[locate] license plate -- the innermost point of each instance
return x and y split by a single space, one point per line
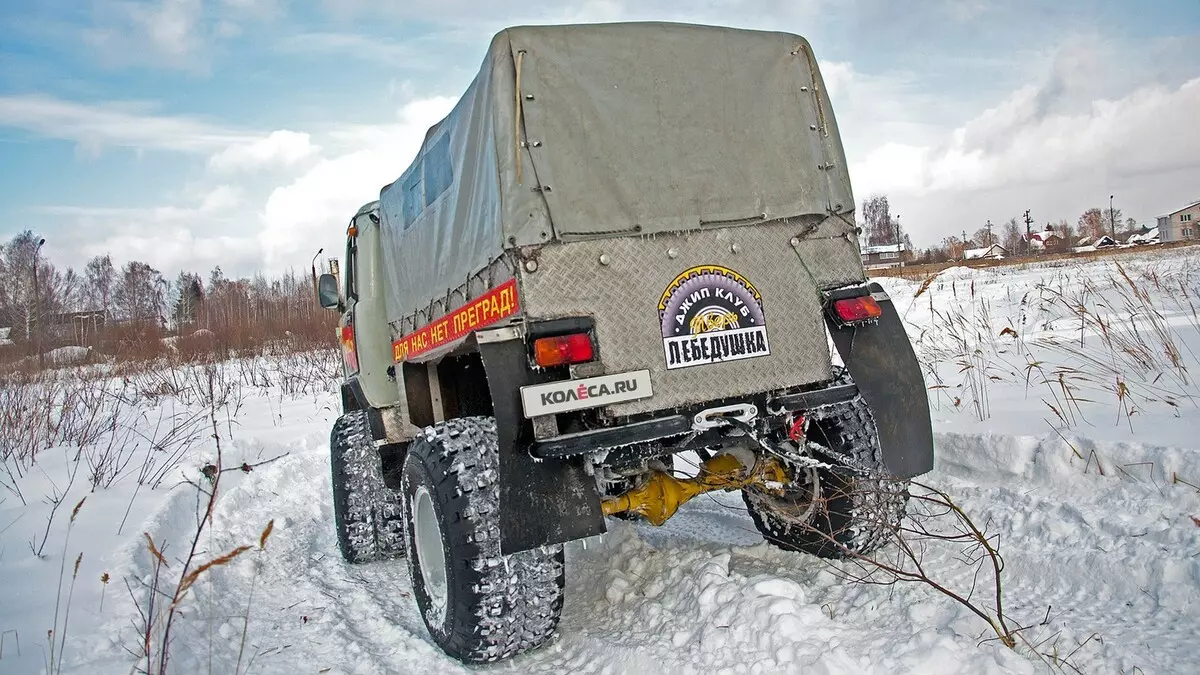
591 392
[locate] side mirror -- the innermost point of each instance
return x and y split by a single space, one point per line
327 292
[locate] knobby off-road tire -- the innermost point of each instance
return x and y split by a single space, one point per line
478 605
853 510
367 514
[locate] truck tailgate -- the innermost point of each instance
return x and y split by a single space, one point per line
711 314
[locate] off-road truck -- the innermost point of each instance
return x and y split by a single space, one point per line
627 248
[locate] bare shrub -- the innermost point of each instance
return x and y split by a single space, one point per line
937 527
161 606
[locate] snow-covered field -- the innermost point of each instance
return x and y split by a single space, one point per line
1065 406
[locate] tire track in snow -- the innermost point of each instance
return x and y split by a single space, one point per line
703 594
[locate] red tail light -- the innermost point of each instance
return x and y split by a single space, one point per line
563 349
862 308
349 348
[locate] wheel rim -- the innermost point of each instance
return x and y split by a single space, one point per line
814 481
431 556
799 511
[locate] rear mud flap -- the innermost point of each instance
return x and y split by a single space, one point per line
881 360
542 501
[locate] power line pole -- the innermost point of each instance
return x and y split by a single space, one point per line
1028 231
1112 220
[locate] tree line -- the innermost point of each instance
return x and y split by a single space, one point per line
135 305
881 228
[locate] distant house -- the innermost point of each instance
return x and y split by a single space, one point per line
1149 235
1092 244
993 252
77 326
6 337
1181 225
1047 240
887 255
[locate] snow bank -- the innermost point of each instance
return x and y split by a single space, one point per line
1092 509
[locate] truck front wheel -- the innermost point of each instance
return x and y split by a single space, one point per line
366 512
478 605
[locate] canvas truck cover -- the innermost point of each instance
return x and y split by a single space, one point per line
573 133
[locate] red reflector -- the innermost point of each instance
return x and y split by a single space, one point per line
857 309
556 351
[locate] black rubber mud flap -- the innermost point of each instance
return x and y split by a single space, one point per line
882 362
542 501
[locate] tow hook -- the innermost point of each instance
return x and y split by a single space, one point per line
711 418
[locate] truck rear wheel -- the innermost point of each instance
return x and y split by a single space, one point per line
366 513
478 605
854 509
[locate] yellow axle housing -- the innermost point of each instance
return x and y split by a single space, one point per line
663 494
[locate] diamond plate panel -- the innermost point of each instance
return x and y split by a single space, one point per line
623 297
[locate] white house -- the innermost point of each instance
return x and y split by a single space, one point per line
1181 225
886 255
993 252
1149 236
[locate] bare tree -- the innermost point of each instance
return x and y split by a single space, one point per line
1112 221
99 280
1092 224
954 248
140 294
1013 238
1066 231
67 290
881 227
19 305
1131 227
985 237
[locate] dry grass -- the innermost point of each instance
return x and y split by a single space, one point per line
1075 340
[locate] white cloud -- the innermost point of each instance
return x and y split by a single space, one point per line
253 6
172 26
1149 130
195 234
176 34
279 148
364 47
313 210
474 15
114 124
228 29
221 198
1056 158
164 33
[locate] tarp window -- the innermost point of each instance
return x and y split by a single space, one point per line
413 201
439 172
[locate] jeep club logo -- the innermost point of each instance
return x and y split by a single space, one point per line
711 314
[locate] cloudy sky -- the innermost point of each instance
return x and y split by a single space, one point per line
190 133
